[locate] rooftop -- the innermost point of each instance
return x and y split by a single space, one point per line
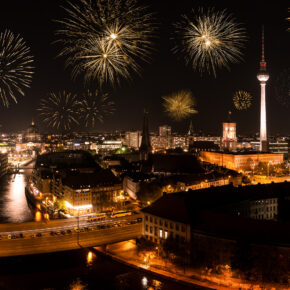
201 209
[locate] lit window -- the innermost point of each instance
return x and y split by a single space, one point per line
160 233
165 234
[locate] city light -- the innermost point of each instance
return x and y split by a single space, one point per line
80 207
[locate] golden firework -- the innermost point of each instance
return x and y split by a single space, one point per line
180 105
210 40
59 110
15 67
94 107
242 100
121 26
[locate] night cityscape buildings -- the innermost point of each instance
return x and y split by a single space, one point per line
188 192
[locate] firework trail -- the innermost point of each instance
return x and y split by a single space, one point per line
179 105
210 40
15 67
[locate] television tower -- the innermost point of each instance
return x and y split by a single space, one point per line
263 76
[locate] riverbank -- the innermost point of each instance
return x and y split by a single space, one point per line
126 253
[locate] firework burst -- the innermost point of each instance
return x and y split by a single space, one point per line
121 26
95 107
101 60
179 105
15 67
210 40
59 110
242 100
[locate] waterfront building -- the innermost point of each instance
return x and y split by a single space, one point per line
91 192
240 161
3 164
210 221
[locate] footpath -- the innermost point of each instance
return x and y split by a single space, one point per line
126 253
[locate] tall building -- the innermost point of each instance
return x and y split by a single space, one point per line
145 147
133 139
229 140
165 131
263 76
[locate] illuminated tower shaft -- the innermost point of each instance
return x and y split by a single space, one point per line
263 125
263 76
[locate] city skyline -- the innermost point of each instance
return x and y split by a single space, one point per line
165 74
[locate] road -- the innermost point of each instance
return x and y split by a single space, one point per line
98 233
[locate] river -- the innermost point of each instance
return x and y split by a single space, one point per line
65 270
13 204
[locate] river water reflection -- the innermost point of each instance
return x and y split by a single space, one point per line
13 203
78 269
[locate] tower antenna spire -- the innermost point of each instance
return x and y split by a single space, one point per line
263 62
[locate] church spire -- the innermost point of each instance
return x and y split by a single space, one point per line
145 147
190 130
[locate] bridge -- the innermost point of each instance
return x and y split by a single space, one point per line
58 236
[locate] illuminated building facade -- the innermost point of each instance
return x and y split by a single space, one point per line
240 161
133 139
229 139
263 76
92 192
165 131
106 146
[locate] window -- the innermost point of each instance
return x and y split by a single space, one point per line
177 227
160 233
146 228
166 224
151 230
165 234
151 219
171 225
155 220
183 228
160 222
155 231
146 218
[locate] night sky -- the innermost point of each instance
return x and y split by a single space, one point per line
165 74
